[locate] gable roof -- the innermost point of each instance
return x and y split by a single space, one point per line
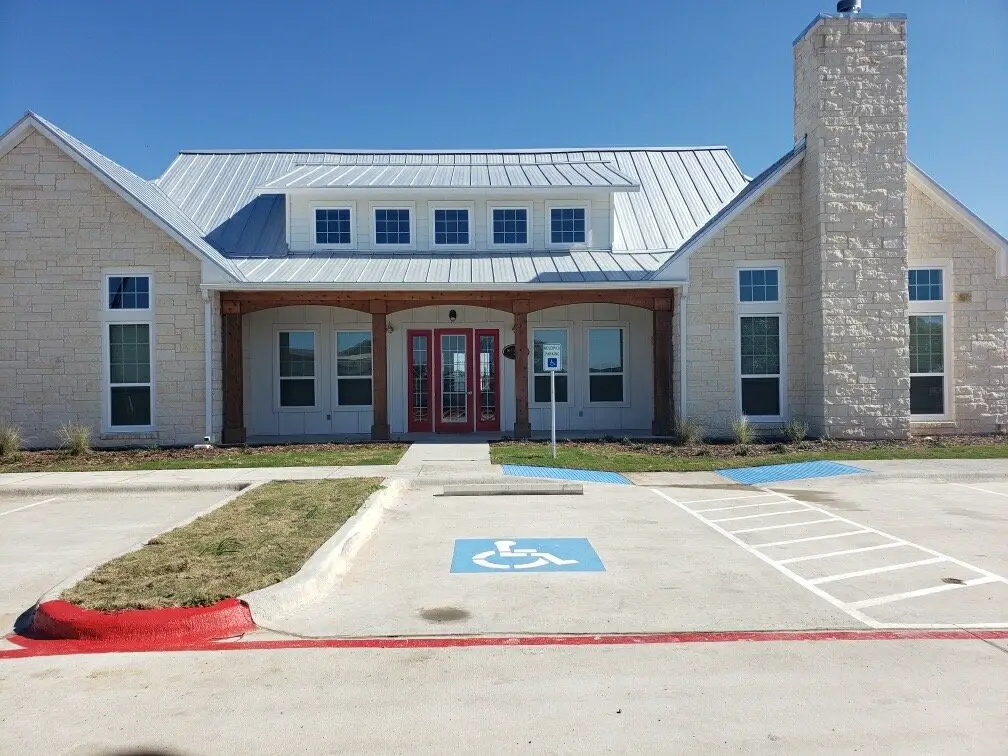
143 195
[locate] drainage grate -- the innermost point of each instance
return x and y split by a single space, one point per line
795 471
562 473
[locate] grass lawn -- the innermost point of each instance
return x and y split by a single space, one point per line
255 540
656 457
303 455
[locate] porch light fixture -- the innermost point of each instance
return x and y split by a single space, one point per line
452 316
390 328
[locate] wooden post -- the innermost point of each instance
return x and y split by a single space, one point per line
234 400
379 367
523 428
664 414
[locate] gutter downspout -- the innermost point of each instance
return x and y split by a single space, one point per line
208 363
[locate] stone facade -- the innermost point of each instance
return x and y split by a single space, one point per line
60 227
978 315
850 103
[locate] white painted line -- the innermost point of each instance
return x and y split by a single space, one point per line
878 600
725 498
945 625
875 570
767 560
792 560
764 514
785 525
985 490
812 538
28 506
925 549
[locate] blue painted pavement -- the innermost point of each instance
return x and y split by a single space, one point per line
795 471
505 555
563 473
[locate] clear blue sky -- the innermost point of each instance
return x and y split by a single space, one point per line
141 80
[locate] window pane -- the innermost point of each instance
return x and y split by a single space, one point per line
542 336
761 396
927 344
392 226
926 285
353 353
927 395
567 225
510 225
332 225
541 384
129 353
605 388
605 350
758 285
297 354
760 345
131 405
353 392
129 292
297 392
451 226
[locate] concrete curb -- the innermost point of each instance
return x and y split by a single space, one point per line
512 488
326 565
124 487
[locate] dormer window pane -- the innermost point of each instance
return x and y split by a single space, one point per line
567 225
451 226
332 225
392 226
510 225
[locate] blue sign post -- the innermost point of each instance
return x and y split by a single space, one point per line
503 555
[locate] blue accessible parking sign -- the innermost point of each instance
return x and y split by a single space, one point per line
525 555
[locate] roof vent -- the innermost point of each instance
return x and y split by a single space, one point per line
849 6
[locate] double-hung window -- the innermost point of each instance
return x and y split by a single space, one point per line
761 336
353 368
568 225
541 376
509 226
296 353
928 325
129 327
392 226
451 226
606 366
332 226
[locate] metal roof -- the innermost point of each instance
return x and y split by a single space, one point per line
680 189
467 175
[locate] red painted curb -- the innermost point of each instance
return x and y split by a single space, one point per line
61 620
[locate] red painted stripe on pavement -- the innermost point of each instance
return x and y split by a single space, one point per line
31 647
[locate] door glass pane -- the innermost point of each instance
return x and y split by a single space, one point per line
487 377
420 380
454 378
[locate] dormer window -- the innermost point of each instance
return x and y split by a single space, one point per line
392 226
332 226
568 225
451 226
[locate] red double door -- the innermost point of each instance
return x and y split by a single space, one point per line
454 380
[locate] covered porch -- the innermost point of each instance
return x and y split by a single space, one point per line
444 362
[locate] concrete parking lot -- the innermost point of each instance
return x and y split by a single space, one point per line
46 538
870 551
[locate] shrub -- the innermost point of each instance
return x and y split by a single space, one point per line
689 433
75 438
795 431
10 441
745 434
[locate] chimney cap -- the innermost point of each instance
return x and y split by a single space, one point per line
848 6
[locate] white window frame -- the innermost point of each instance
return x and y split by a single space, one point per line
112 317
350 328
321 205
566 205
315 329
605 325
943 308
776 309
491 206
469 207
569 331
408 206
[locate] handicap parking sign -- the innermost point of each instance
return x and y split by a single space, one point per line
508 555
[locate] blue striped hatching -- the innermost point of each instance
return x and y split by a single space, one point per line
561 473
795 471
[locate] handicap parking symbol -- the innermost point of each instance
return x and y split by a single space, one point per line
506 555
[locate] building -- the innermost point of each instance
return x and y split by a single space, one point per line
300 295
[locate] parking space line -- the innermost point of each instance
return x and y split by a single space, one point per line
843 552
785 525
764 514
985 490
29 506
811 538
735 506
875 570
879 600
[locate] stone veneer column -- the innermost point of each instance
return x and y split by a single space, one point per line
850 103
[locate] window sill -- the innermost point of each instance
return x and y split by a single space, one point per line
945 422
120 435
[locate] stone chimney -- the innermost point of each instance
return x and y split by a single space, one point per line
850 105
